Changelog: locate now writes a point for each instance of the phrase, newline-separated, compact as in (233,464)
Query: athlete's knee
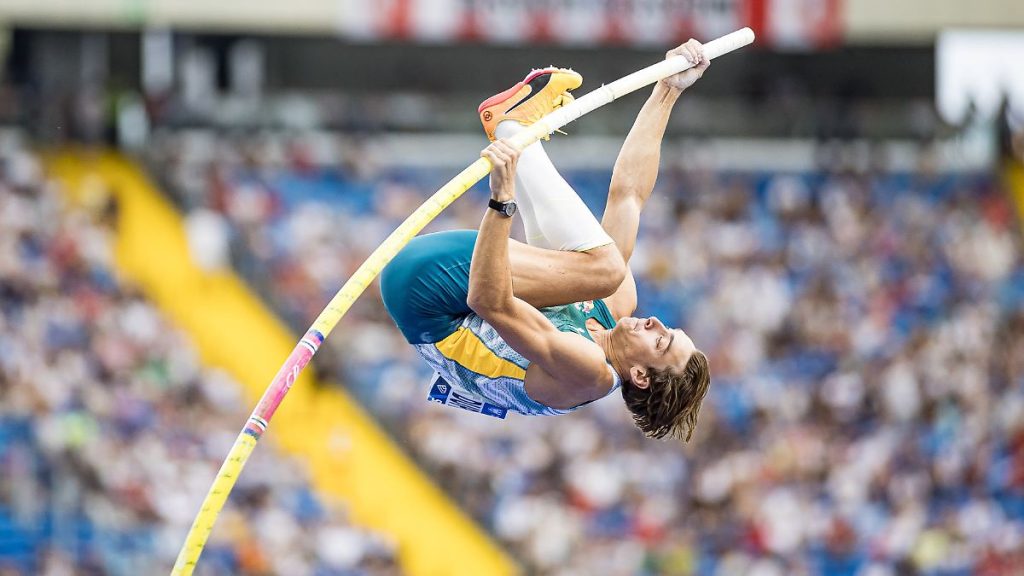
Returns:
(609,269)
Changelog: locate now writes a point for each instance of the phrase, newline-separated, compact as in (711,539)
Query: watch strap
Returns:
(501,207)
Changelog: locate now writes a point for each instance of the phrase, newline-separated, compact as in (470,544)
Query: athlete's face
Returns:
(645,343)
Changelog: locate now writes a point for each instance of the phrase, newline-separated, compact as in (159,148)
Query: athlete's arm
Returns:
(521,325)
(636,168)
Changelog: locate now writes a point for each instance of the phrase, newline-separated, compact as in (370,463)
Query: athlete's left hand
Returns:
(693,51)
(503,157)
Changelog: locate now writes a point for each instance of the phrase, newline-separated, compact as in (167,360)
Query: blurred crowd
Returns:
(111,431)
(865,331)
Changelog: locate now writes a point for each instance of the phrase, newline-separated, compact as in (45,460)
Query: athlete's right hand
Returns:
(503,157)
(693,51)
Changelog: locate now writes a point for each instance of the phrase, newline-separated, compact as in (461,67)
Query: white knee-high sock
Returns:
(554,215)
(534,237)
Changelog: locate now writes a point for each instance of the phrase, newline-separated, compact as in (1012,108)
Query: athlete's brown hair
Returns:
(669,405)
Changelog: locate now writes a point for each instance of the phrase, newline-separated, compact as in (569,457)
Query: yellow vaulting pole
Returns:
(300,356)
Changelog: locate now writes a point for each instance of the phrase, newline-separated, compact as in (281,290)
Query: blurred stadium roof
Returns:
(782,23)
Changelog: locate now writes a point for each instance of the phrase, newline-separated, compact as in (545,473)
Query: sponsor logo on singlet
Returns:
(443,393)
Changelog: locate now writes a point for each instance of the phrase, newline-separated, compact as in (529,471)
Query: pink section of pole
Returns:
(282,383)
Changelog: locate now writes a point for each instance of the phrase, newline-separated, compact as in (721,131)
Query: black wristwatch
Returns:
(506,209)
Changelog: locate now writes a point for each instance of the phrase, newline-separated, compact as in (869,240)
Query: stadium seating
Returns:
(110,428)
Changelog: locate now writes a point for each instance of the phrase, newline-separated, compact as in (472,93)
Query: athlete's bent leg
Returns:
(570,257)
(425,286)
(554,277)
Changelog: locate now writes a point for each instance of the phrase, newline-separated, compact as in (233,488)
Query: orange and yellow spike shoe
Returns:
(538,94)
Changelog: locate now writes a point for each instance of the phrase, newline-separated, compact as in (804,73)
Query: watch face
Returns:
(510,209)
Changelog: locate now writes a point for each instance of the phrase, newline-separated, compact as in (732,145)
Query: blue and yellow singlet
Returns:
(424,290)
